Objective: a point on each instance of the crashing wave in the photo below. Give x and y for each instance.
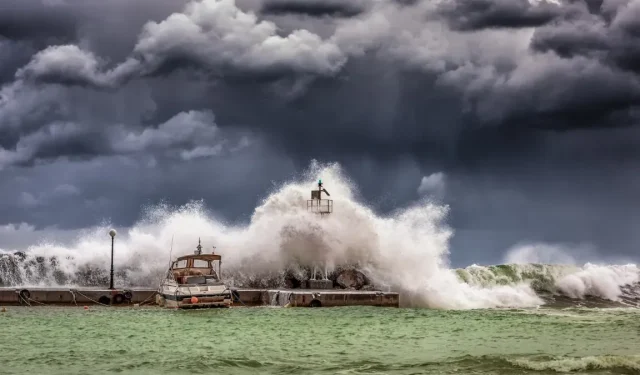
(558, 284)
(406, 252)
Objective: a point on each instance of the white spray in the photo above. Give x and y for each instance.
(407, 251)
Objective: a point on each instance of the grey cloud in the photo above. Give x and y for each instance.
(252, 46)
(56, 140)
(471, 15)
(611, 35)
(70, 65)
(188, 135)
(211, 34)
(51, 23)
(22, 107)
(531, 88)
(314, 8)
(194, 133)
(60, 193)
(118, 188)
(433, 185)
(65, 190)
(18, 236)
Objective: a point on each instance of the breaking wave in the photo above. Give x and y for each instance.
(619, 364)
(585, 364)
(406, 251)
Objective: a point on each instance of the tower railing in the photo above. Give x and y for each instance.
(320, 206)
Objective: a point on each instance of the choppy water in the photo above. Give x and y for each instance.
(358, 340)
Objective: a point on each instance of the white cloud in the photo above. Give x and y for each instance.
(433, 185)
(201, 152)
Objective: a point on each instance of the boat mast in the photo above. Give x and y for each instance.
(219, 264)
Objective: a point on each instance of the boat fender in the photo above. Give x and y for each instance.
(128, 295)
(118, 299)
(104, 300)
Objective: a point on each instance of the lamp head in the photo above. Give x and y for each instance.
(112, 233)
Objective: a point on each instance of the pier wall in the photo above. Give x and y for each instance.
(67, 296)
(241, 297)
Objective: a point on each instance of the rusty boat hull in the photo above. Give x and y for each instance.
(196, 301)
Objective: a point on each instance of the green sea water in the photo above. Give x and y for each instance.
(354, 340)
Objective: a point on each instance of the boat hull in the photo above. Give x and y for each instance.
(201, 301)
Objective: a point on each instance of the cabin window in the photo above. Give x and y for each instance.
(180, 264)
(199, 263)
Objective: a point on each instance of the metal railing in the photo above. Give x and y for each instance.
(320, 206)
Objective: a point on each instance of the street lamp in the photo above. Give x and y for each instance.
(112, 233)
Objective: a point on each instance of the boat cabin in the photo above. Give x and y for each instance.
(197, 268)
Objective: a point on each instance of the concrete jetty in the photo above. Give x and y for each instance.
(314, 298)
(36, 296)
(241, 297)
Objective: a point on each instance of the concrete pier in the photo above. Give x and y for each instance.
(73, 296)
(241, 297)
(329, 298)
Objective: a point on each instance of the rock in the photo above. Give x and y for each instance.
(351, 279)
(293, 278)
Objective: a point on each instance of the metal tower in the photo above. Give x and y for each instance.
(323, 207)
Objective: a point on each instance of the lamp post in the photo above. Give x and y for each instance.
(112, 233)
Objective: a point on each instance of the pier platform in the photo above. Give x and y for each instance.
(241, 297)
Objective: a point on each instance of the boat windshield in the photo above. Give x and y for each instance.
(202, 280)
(180, 264)
(199, 263)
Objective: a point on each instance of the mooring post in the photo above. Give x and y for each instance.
(112, 233)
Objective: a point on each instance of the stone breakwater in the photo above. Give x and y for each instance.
(19, 269)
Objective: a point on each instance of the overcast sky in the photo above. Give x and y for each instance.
(521, 115)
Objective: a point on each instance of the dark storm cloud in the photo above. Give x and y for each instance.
(313, 8)
(252, 48)
(487, 82)
(480, 14)
(611, 35)
(519, 102)
(187, 136)
(37, 20)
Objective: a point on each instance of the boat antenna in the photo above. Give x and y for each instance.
(170, 253)
(171, 250)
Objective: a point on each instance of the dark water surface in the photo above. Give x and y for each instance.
(354, 340)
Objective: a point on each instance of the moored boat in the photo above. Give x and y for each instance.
(193, 282)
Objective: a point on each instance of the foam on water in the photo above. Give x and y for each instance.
(569, 364)
(407, 250)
